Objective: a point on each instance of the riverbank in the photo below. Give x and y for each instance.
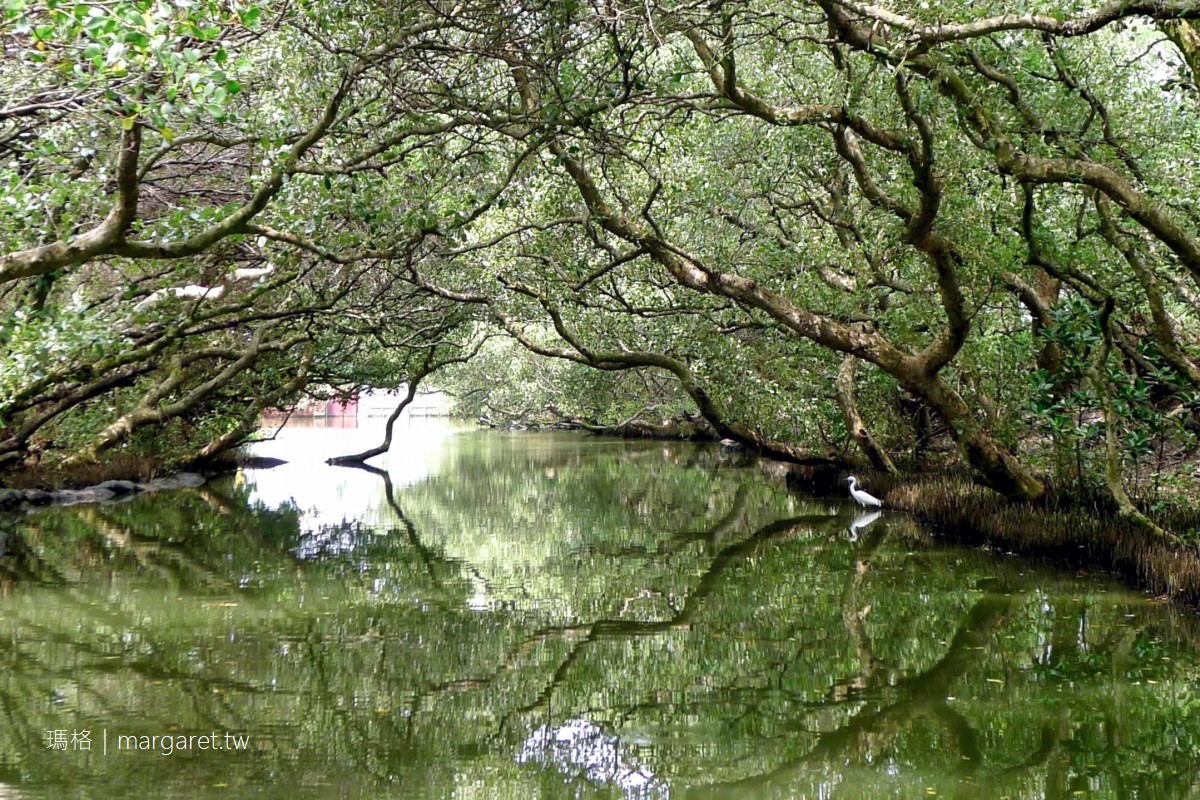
(108, 480)
(97, 493)
(1066, 530)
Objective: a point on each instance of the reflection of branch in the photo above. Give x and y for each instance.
(172, 564)
(920, 695)
(583, 634)
(1114, 714)
(1048, 742)
(215, 501)
(427, 556)
(728, 523)
(851, 616)
(969, 753)
(613, 628)
(23, 563)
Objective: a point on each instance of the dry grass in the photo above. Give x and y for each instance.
(120, 467)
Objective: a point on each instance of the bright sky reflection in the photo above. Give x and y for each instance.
(330, 496)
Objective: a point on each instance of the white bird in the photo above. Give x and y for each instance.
(862, 498)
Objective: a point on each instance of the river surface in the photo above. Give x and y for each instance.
(530, 615)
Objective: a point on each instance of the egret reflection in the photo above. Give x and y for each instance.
(861, 521)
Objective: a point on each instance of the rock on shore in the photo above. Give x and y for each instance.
(12, 499)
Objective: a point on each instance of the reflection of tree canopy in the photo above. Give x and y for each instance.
(557, 520)
(708, 632)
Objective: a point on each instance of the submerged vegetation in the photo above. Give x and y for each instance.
(830, 232)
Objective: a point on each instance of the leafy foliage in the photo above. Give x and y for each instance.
(700, 212)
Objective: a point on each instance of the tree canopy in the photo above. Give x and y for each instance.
(710, 212)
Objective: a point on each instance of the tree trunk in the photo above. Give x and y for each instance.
(1186, 37)
(148, 410)
(998, 468)
(250, 418)
(1112, 441)
(917, 374)
(854, 423)
(386, 444)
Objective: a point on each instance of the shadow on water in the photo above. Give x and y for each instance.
(550, 615)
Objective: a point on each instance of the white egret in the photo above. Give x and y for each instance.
(862, 498)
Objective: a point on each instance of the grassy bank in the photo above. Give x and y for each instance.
(121, 468)
(1068, 529)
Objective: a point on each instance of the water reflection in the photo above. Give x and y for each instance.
(580, 749)
(550, 615)
(862, 520)
(328, 496)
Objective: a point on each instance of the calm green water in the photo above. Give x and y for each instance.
(531, 615)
